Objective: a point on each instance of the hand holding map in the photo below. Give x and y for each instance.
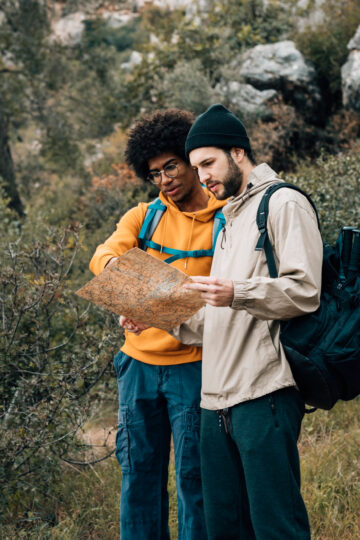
(144, 289)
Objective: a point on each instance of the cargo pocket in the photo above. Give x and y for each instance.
(190, 455)
(122, 439)
(121, 363)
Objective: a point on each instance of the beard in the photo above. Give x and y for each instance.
(233, 180)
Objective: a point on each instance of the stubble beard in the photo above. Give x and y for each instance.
(232, 182)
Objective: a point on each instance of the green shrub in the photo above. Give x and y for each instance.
(208, 41)
(53, 350)
(97, 32)
(333, 182)
(187, 87)
(325, 44)
(9, 219)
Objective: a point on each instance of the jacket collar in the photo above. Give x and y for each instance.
(259, 179)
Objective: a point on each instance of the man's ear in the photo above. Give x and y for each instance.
(237, 154)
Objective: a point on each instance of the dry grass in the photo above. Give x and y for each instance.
(87, 505)
(329, 449)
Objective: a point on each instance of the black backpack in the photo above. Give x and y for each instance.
(323, 347)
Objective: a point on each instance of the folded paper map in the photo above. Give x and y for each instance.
(145, 289)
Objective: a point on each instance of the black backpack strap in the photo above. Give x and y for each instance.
(261, 221)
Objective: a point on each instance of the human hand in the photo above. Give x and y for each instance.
(112, 260)
(131, 325)
(217, 292)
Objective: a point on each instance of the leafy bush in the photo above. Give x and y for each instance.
(207, 42)
(333, 183)
(325, 44)
(225, 28)
(59, 146)
(52, 352)
(98, 32)
(9, 219)
(186, 87)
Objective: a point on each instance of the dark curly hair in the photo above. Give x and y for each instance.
(156, 133)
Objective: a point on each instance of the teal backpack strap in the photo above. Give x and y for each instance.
(178, 254)
(152, 217)
(219, 224)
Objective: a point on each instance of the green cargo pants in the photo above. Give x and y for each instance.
(251, 472)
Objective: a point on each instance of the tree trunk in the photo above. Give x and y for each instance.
(7, 168)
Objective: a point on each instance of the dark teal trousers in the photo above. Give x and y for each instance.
(251, 472)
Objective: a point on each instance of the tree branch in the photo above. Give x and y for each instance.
(88, 463)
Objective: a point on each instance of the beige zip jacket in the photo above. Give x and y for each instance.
(242, 355)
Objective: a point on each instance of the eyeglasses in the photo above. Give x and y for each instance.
(171, 171)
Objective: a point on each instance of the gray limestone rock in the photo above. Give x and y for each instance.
(69, 30)
(249, 101)
(350, 77)
(134, 60)
(282, 67)
(116, 19)
(354, 42)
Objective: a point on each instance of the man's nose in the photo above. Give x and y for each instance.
(203, 176)
(165, 179)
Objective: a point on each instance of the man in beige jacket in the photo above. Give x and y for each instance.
(251, 409)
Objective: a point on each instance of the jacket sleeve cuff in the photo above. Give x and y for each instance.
(240, 295)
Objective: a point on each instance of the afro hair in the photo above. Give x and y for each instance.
(156, 133)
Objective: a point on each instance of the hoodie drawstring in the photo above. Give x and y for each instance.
(189, 241)
(163, 233)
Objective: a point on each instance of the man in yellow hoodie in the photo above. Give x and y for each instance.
(159, 378)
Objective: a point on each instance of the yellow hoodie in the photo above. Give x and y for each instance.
(178, 230)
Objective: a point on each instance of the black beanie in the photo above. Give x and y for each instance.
(217, 127)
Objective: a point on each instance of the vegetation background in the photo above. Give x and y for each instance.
(64, 112)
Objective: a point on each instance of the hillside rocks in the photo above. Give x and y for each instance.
(117, 19)
(201, 5)
(246, 99)
(280, 66)
(69, 30)
(134, 60)
(350, 75)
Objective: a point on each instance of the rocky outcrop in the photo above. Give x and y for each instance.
(117, 19)
(246, 99)
(308, 14)
(170, 4)
(354, 43)
(69, 30)
(280, 66)
(134, 60)
(350, 75)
